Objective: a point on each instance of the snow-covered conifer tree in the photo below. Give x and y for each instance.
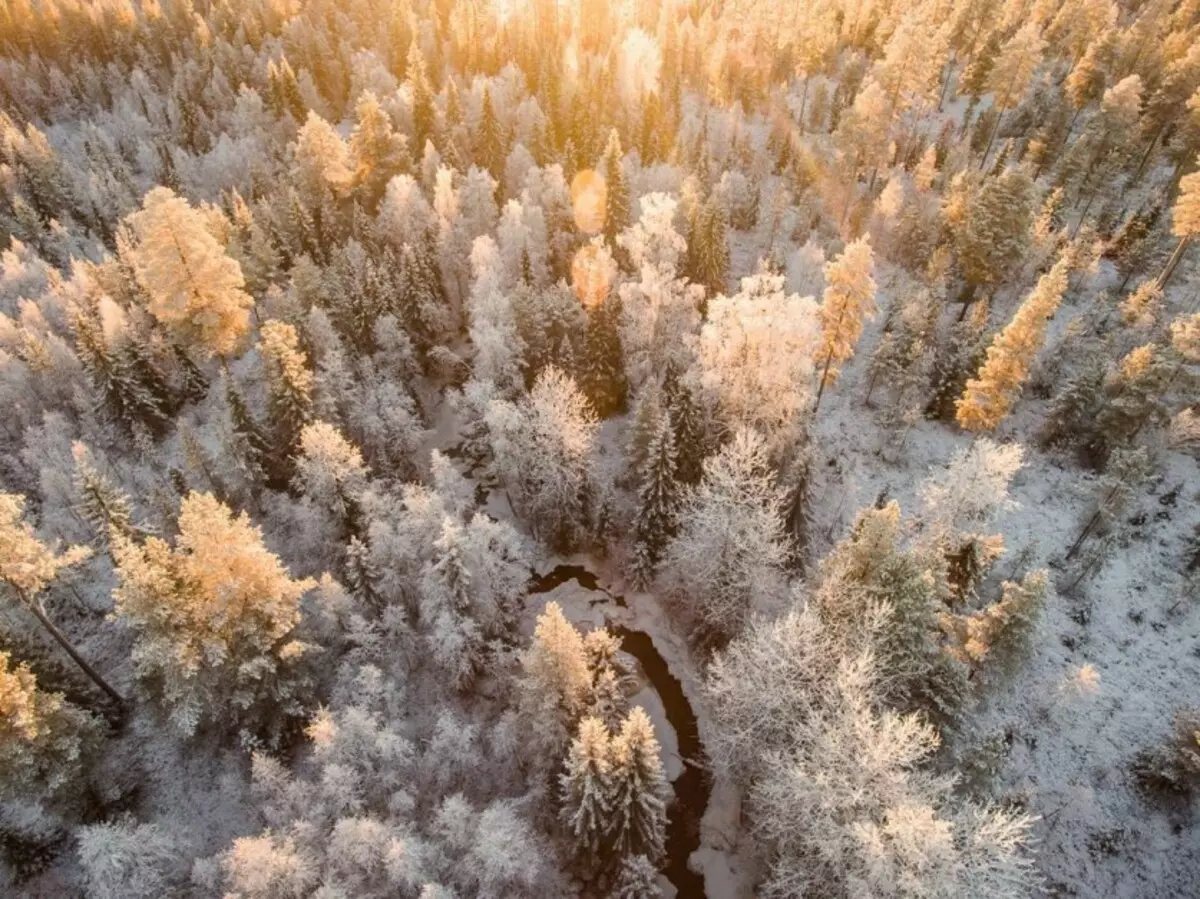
(659, 494)
(990, 396)
(214, 617)
(847, 302)
(586, 791)
(638, 789)
(194, 288)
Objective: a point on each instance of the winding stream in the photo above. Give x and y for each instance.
(693, 787)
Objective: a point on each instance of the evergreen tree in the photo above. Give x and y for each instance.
(289, 390)
(101, 502)
(556, 680)
(250, 442)
(377, 152)
(1185, 222)
(689, 423)
(1009, 78)
(637, 879)
(586, 791)
(424, 122)
(42, 736)
(638, 789)
(990, 396)
(28, 566)
(658, 501)
(848, 301)
(491, 149)
(214, 617)
(995, 234)
(194, 288)
(123, 395)
(602, 368)
(999, 638)
(708, 248)
(616, 197)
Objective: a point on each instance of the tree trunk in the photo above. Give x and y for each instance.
(36, 607)
(1083, 215)
(992, 139)
(1173, 262)
(1146, 156)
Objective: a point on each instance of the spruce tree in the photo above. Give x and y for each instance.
(250, 441)
(990, 396)
(708, 248)
(637, 879)
(289, 391)
(688, 420)
(659, 497)
(102, 504)
(490, 150)
(586, 791)
(616, 202)
(42, 736)
(638, 789)
(602, 368)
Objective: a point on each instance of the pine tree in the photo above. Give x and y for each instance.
(683, 404)
(847, 302)
(1132, 246)
(999, 637)
(1185, 222)
(289, 390)
(1071, 417)
(708, 248)
(637, 879)
(616, 202)
(638, 789)
(995, 234)
(101, 502)
(214, 617)
(586, 791)
(194, 288)
(1140, 308)
(377, 151)
(990, 396)
(1127, 470)
(1009, 78)
(42, 736)
(28, 566)
(602, 368)
(658, 501)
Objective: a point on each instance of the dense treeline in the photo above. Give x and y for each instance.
(322, 322)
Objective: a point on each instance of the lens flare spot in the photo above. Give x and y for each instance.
(588, 198)
(593, 271)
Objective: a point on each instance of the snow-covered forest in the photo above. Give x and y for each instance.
(599, 448)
